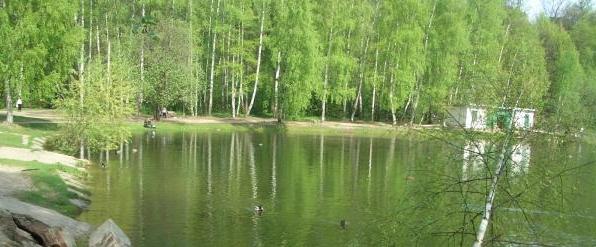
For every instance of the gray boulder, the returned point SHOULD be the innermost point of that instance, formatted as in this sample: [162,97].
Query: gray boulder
[42,233]
[109,235]
[11,235]
[5,241]
[7,226]
[47,216]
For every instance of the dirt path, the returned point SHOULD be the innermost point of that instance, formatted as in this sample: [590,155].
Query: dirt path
[38,116]
[41,156]
[272,121]
[45,115]
[216,120]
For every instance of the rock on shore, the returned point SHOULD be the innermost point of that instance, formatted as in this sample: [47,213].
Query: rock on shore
[23,224]
[109,235]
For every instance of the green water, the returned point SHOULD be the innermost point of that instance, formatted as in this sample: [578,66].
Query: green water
[199,189]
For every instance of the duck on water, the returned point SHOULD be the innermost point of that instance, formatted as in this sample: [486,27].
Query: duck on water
[259,209]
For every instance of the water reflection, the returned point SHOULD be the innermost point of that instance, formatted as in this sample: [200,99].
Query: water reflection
[478,155]
[184,188]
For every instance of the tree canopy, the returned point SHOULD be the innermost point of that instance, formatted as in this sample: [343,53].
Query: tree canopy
[396,61]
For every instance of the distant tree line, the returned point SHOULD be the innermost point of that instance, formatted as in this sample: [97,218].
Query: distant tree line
[397,61]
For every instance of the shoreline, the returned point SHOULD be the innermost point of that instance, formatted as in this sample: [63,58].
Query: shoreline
[42,193]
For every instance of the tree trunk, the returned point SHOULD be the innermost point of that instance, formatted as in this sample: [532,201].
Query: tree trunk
[233,90]
[9,116]
[109,55]
[90,48]
[82,79]
[361,80]
[454,93]
[391,102]
[504,42]
[97,40]
[254,91]
[224,88]
[325,80]
[416,95]
[190,59]
[212,75]
[488,207]
[349,35]
[240,93]
[81,97]
[141,91]
[276,87]
[347,55]
[374,92]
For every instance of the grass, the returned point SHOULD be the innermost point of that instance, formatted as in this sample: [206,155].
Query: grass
[50,190]
[137,127]
[11,140]
[11,135]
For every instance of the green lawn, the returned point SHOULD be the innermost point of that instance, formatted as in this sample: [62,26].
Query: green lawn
[50,190]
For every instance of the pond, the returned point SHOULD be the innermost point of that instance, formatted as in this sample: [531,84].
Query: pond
[200,189]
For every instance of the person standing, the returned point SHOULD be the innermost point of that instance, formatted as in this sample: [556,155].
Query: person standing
[19,104]
[164,112]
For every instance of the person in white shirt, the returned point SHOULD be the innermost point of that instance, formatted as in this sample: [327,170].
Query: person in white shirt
[19,104]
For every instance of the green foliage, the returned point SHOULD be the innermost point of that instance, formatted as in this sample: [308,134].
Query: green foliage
[299,45]
[583,34]
[566,76]
[39,44]
[97,108]
[419,57]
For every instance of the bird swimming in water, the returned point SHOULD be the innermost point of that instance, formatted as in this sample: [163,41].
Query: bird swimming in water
[259,209]
[103,165]
[343,224]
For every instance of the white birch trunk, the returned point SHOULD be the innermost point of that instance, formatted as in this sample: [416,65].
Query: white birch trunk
[391,102]
[90,48]
[9,114]
[81,81]
[81,97]
[242,100]
[109,55]
[190,59]
[504,42]
[97,40]
[212,73]
[254,90]
[488,207]
[233,90]
[276,87]
[141,93]
[325,80]
[374,92]
[361,80]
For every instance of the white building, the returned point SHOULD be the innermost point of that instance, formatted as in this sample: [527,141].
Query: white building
[480,117]
[475,158]
[523,118]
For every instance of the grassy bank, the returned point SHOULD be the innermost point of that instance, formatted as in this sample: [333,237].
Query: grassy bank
[289,127]
[50,190]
